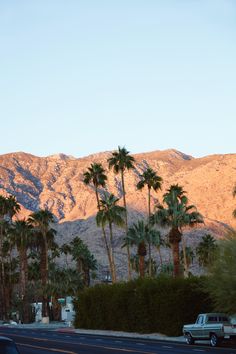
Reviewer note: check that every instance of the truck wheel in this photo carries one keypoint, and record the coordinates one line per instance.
(189, 339)
(214, 340)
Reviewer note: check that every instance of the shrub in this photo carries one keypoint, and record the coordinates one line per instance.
(159, 305)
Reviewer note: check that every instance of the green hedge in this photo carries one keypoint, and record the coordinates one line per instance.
(160, 305)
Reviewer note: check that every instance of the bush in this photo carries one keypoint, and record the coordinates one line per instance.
(160, 305)
(221, 284)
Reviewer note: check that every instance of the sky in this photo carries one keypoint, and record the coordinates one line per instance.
(84, 76)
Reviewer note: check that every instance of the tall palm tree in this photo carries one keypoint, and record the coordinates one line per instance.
(120, 161)
(20, 234)
(110, 214)
(3, 211)
(206, 250)
(176, 215)
(150, 179)
(95, 175)
(8, 207)
(4, 229)
(41, 221)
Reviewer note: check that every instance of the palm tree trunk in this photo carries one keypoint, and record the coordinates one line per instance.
(175, 254)
(23, 284)
(149, 242)
(108, 249)
(185, 257)
(3, 297)
(142, 266)
(86, 273)
(26, 316)
(126, 223)
(44, 276)
(112, 253)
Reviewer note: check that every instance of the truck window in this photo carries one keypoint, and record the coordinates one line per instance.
(200, 320)
(212, 319)
(223, 319)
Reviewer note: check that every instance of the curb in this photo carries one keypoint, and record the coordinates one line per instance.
(152, 336)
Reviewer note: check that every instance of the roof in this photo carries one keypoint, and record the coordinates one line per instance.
(5, 339)
(214, 314)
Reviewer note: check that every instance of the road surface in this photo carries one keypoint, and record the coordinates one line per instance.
(35, 341)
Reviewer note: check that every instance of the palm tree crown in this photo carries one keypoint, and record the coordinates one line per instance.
(13, 207)
(121, 160)
(110, 212)
(95, 175)
(150, 179)
(206, 250)
(140, 234)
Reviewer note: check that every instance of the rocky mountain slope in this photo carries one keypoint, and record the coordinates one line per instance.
(55, 182)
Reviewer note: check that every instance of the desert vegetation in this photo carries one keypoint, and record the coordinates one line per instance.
(29, 271)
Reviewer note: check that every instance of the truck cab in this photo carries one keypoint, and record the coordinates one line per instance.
(213, 326)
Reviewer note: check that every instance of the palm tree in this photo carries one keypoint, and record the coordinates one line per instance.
(3, 211)
(110, 214)
(141, 234)
(206, 250)
(234, 194)
(84, 259)
(120, 161)
(8, 207)
(176, 215)
(20, 235)
(150, 179)
(137, 235)
(95, 175)
(41, 221)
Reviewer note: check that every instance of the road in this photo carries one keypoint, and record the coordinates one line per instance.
(31, 341)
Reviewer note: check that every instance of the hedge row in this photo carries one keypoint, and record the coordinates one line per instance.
(160, 305)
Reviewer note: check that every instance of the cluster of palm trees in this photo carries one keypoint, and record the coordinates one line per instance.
(28, 271)
(174, 214)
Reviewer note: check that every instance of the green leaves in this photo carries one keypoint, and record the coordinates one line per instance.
(150, 179)
(110, 212)
(121, 160)
(95, 175)
(206, 250)
(222, 282)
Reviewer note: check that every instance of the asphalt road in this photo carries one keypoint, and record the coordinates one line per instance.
(52, 342)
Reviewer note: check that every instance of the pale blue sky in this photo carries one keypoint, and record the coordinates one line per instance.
(84, 76)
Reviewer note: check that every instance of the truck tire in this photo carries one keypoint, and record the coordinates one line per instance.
(189, 339)
(214, 340)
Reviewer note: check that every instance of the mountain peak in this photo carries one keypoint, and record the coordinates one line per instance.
(61, 156)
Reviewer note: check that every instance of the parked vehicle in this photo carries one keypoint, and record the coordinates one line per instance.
(213, 326)
(7, 346)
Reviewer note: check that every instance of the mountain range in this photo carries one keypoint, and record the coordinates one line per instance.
(56, 182)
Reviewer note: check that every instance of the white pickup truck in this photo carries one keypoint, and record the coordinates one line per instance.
(213, 326)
